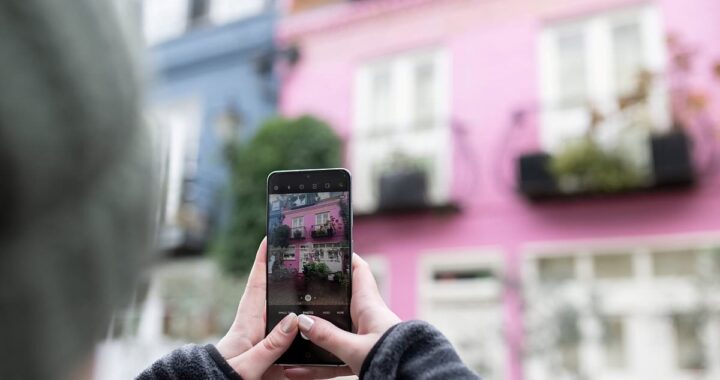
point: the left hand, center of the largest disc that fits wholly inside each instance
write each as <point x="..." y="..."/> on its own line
<point x="245" y="346"/>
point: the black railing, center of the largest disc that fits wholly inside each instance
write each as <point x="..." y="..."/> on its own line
<point x="297" y="233"/>
<point x="322" y="230"/>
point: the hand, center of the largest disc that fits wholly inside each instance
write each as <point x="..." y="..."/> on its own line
<point x="243" y="346"/>
<point x="369" y="313"/>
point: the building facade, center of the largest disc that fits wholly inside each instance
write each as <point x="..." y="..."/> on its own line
<point x="441" y="106"/>
<point x="213" y="84"/>
<point x="317" y="232"/>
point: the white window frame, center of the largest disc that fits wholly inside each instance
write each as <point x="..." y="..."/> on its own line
<point x="180" y="123"/>
<point x="488" y="292"/>
<point x="371" y="148"/>
<point x="223" y="11"/>
<point x="644" y="302"/>
<point x="322" y="217"/>
<point x="164" y="19"/>
<point x="289" y="253"/>
<point x="380" y="268"/>
<point x="561" y="125"/>
<point x="298" y="221"/>
<point x="305" y="251"/>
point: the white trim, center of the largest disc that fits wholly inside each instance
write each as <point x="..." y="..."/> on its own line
<point x="643" y="300"/>
<point x="559" y="125"/>
<point x="180" y="123"/>
<point x="380" y="268"/>
<point x="469" y="312"/>
<point x="373" y="145"/>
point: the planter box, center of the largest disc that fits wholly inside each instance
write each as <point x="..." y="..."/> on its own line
<point x="671" y="160"/>
<point x="403" y="190"/>
<point x="534" y="177"/>
<point x="297" y="233"/>
<point x="672" y="166"/>
<point x="321" y="230"/>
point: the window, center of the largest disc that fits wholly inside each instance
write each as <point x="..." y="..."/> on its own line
<point x="572" y="65"/>
<point x="662" y="303"/>
<point x="613" y="266"/>
<point x="461" y="294"/>
<point x="674" y="263"/>
<point x="556" y="269"/>
<point x="163" y="19"/>
<point x="222" y="11"/>
<point x="401" y="112"/>
<point x="382" y="106"/>
<point x="460" y="275"/>
<point x="688" y="346"/>
<point x="322" y="218"/>
<point x="627" y="60"/>
<point x="297" y="222"/>
<point x="289" y="253"/>
<point x="305" y="253"/>
<point x="613" y="330"/>
<point x="179" y="130"/>
<point x="167" y="19"/>
<point x="593" y="61"/>
<point x="198" y="13"/>
<point x="424" y="109"/>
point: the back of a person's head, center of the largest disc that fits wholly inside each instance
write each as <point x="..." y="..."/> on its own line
<point x="75" y="189"/>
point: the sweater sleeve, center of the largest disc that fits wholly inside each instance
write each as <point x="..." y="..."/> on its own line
<point x="191" y="362"/>
<point x="414" y="350"/>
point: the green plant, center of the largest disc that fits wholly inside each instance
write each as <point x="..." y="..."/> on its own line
<point x="585" y="166"/>
<point x="280" y="236"/>
<point x="280" y="143"/>
<point x="316" y="270"/>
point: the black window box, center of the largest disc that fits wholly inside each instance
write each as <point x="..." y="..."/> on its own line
<point x="671" y="167"/>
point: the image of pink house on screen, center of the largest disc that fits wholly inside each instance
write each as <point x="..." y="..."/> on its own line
<point x="317" y="233"/>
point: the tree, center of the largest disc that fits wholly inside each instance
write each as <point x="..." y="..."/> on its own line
<point x="279" y="144"/>
<point x="280" y="237"/>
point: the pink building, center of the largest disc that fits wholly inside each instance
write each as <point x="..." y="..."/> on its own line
<point x="436" y="102"/>
<point x="317" y="234"/>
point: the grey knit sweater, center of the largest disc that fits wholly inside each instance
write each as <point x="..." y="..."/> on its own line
<point x="409" y="350"/>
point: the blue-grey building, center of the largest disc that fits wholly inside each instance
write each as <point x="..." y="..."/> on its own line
<point x="213" y="82"/>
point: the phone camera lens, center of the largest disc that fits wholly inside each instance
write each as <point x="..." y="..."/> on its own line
<point x="302" y="187"/>
<point x="275" y="188"/>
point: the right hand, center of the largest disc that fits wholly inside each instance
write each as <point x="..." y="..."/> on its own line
<point x="369" y="313"/>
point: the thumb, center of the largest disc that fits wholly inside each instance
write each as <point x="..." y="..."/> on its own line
<point x="255" y="361"/>
<point x="333" y="339"/>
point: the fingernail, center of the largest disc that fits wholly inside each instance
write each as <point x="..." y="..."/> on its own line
<point x="305" y="322"/>
<point x="287" y="323"/>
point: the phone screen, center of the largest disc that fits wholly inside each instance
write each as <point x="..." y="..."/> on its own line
<point x="309" y="227"/>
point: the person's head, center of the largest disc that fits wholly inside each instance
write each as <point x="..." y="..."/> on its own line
<point x="75" y="192"/>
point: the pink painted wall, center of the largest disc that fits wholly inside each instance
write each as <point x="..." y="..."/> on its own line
<point x="493" y="49"/>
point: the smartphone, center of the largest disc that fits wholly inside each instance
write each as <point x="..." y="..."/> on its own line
<point x="309" y="254"/>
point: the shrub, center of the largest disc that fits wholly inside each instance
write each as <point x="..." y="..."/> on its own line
<point x="316" y="270"/>
<point x="280" y="236"/>
<point x="302" y="143"/>
<point x="585" y="166"/>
